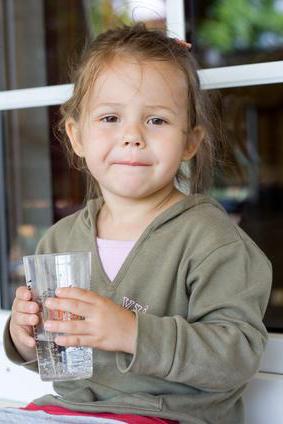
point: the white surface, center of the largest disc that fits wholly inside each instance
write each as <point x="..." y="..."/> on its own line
<point x="18" y="385"/>
<point x="272" y="361"/>
<point x="264" y="399"/>
<point x="145" y="10"/>
<point x="35" y="97"/>
<point x="229" y="76"/>
<point x="242" y="75"/>
<point x="175" y="18"/>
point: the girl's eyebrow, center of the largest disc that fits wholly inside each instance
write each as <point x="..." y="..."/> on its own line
<point x="108" y="104"/>
<point x="168" y="109"/>
<point x="111" y="104"/>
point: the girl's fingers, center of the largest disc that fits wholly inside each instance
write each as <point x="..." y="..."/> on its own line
<point x="24" y="338"/>
<point x="76" y="293"/>
<point x="25" y="319"/>
<point x="77" y="307"/>
<point x="79" y="340"/>
<point x="27" y="307"/>
<point x="23" y="293"/>
<point x="69" y="327"/>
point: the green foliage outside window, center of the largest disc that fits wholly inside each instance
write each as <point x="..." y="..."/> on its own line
<point x="104" y="14"/>
<point x="242" y="24"/>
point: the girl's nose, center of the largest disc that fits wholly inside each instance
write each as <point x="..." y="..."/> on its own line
<point x="133" y="141"/>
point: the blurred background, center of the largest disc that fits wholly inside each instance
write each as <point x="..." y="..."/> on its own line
<point x="39" y="41"/>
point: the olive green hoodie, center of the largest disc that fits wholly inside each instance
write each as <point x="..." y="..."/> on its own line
<point x="199" y="286"/>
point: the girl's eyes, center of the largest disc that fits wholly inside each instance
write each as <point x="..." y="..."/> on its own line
<point x="157" y="121"/>
<point x="110" y="119"/>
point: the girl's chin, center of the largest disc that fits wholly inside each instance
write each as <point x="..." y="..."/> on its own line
<point x="134" y="192"/>
<point x="129" y="187"/>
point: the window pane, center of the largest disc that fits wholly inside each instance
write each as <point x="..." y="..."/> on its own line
<point x="253" y="195"/>
<point x="40" y="188"/>
<point x="225" y="32"/>
<point x="42" y="37"/>
<point x="27" y="179"/>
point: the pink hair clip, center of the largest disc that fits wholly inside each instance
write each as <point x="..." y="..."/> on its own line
<point x="183" y="43"/>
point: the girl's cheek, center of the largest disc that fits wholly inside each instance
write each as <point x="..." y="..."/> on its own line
<point x="101" y="132"/>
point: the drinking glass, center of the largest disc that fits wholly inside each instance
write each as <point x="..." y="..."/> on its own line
<point x="44" y="273"/>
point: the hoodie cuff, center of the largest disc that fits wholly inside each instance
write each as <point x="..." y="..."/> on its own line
<point x="11" y="351"/>
<point x="125" y="361"/>
<point x="155" y="347"/>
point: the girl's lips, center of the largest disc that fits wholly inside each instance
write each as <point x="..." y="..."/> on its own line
<point x="128" y="163"/>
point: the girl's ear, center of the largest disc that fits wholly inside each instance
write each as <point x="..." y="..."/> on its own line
<point x="73" y="132"/>
<point x="194" y="139"/>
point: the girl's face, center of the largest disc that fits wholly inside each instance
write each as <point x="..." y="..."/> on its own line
<point x="133" y="132"/>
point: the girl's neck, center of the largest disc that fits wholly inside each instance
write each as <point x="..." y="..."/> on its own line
<point x="127" y="220"/>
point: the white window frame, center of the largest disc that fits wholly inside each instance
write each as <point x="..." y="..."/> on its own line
<point x="214" y="78"/>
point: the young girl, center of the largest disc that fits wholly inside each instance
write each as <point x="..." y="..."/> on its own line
<point x="178" y="291"/>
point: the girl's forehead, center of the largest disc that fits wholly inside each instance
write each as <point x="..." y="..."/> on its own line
<point x="128" y="76"/>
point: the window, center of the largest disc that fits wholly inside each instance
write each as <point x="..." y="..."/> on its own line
<point x="246" y="66"/>
<point x="36" y="185"/>
<point x="243" y="44"/>
<point x="228" y="33"/>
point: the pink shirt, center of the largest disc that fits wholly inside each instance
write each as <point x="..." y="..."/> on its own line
<point x="113" y="253"/>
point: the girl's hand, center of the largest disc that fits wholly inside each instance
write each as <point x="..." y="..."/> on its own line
<point x="105" y="326"/>
<point x="23" y="318"/>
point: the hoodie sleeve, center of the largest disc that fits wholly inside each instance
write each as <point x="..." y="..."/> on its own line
<point x="11" y="352"/>
<point x="218" y="346"/>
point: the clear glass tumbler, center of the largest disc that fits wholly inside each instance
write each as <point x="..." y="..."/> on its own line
<point x="44" y="273"/>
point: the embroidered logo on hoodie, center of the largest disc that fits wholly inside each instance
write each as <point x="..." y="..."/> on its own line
<point x="132" y="305"/>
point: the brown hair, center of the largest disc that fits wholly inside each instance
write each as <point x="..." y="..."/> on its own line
<point x="147" y="44"/>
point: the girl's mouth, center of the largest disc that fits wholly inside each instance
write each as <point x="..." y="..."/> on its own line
<point x="129" y="163"/>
